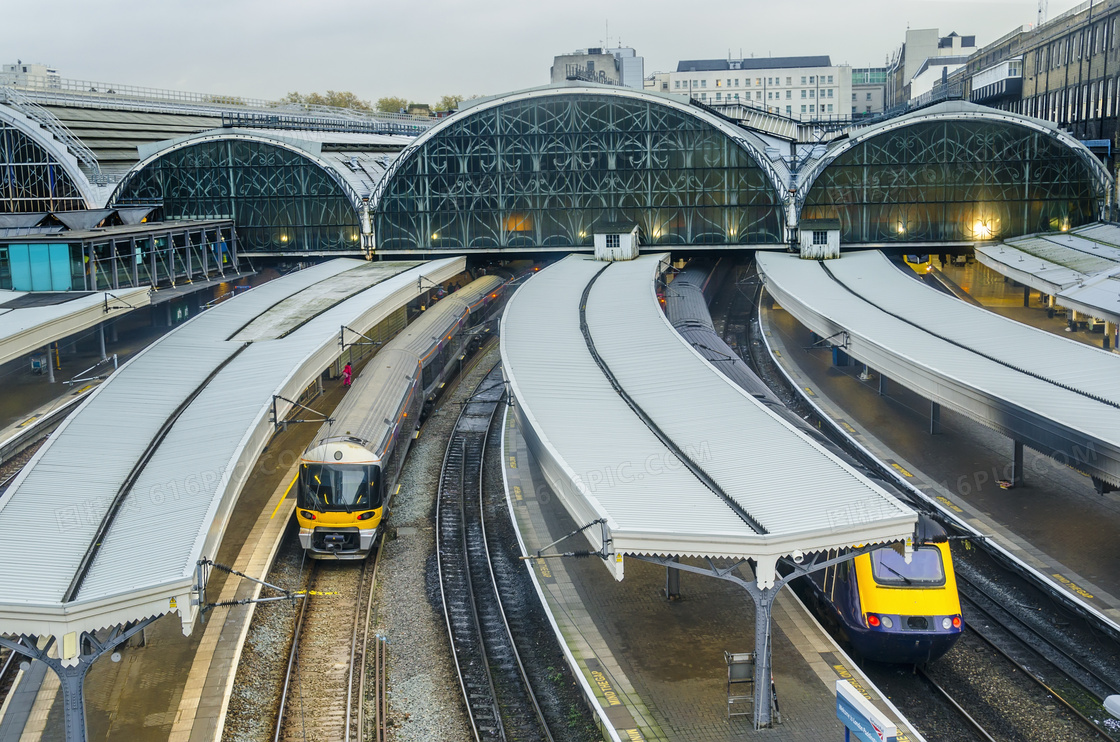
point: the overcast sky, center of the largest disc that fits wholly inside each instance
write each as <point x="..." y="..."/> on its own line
<point x="422" y="49"/>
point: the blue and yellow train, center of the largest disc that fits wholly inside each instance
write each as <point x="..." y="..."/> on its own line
<point x="349" y="473"/>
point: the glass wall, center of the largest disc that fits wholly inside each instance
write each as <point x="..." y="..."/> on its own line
<point x="954" y="181"/>
<point x="30" y="179"/>
<point x="281" y="201"/>
<point x="41" y="267"/>
<point x="546" y="171"/>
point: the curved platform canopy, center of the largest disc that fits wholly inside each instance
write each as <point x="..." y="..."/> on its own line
<point x="1080" y="269"/>
<point x="542" y="168"/>
<point x="954" y="172"/>
<point x="32" y="320"/>
<point x="1047" y="392"/>
<point x="686" y="463"/>
<point x="138" y="483"/>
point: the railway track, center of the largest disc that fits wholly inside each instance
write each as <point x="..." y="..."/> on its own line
<point x="334" y="665"/>
<point x="1055" y="669"/>
<point x="498" y="695"/>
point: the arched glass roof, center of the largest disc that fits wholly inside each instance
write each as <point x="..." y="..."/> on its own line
<point x="282" y="199"/>
<point x="31" y="178"/>
<point x="955" y="178"/>
<point x="544" y="169"/>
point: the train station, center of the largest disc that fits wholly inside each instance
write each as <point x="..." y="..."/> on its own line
<point x="584" y="412"/>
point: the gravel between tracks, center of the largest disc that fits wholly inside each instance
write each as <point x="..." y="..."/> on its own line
<point x="425" y="701"/>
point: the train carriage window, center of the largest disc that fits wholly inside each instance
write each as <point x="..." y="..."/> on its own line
<point x="924" y="569"/>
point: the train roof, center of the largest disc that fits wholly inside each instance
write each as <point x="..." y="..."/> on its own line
<point x="369" y="411"/>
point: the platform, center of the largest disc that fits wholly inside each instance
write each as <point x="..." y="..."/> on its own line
<point x="655" y="667"/>
<point x="142" y="478"/>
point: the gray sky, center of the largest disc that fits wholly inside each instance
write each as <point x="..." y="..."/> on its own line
<point x="422" y="50"/>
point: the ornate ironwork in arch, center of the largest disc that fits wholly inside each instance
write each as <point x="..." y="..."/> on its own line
<point x="543" y="171"/>
<point x="280" y="200"/>
<point x="952" y="180"/>
<point x="31" y="179"/>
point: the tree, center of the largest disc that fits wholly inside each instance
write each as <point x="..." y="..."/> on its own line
<point x="391" y="105"/>
<point x="449" y="103"/>
<point x="335" y="98"/>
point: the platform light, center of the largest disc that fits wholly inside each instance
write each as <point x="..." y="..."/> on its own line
<point x="901" y="228"/>
<point x="283" y="238"/>
<point x="982" y="230"/>
<point x="435" y="235"/>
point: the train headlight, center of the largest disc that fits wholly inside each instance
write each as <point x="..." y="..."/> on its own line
<point x="367" y="515"/>
<point x="956" y="622"/>
<point x="946" y="623"/>
<point x="872" y="620"/>
<point x="307" y="514"/>
<point x="887" y="622"/>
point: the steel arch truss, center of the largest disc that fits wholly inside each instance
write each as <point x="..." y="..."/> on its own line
<point x="544" y="171"/>
<point x="955" y="178"/>
<point x="283" y="199"/>
<point x="31" y="179"/>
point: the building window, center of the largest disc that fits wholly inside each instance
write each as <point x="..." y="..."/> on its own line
<point x="853" y="99"/>
<point x="812" y="108"/>
<point x="789" y="94"/>
<point x="615" y="240"/>
<point x="812" y="80"/>
<point x="695" y="83"/>
<point x="789" y="81"/>
<point x="830" y="92"/>
<point x="758" y="81"/>
<point x="830" y="108"/>
<point x="703" y="96"/>
<point x="802" y="109"/>
<point x="812" y="93"/>
<point x="789" y="110"/>
<point x="736" y="82"/>
<point x="718" y="95"/>
<point x="868" y="96"/>
<point x="830" y="79"/>
<point x="719" y="83"/>
<point x="747" y="82"/>
<point x="819" y="237"/>
<point x="703" y="83"/>
<point x="677" y="84"/>
<point x="804" y="94"/>
<point x="803" y="79"/>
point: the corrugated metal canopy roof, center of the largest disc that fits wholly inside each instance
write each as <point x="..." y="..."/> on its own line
<point x="602" y="458"/>
<point x="1054" y="394"/>
<point x="215" y="395"/>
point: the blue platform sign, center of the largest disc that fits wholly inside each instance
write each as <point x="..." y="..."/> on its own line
<point x="861" y="719"/>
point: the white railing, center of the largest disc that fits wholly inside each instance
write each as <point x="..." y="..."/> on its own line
<point x="48" y="121"/>
<point x="47" y="85"/>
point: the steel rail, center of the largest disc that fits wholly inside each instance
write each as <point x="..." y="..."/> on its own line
<point x="292" y="655"/>
<point x="975" y="725"/>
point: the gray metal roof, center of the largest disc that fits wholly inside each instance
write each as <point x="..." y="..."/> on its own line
<point x="1053" y="394"/>
<point x="1081" y="269"/>
<point x="26" y="329"/>
<point x="603" y="461"/>
<point x="175" y="510"/>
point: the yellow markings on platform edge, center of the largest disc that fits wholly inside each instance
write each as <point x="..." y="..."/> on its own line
<point x="809" y="392"/>
<point x="604" y="686"/>
<point x="846" y="427"/>
<point x="948" y="503"/>
<point x="516" y="492"/>
<point x="633" y="735"/>
<point x="398" y="490"/>
<point x="28" y="421"/>
<point x="285" y="497"/>
<point x="542" y="565"/>
<point x="1073" y="586"/>
<point x="512" y="462"/>
<point x="84" y="388"/>
<point x="901" y="471"/>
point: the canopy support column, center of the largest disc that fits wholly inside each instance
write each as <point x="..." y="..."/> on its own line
<point x="763" y="590"/>
<point x="1017" y="465"/>
<point x="934" y="418"/>
<point x="72" y="671"/>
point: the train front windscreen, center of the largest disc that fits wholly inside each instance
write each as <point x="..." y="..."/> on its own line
<point x="340" y="487"/>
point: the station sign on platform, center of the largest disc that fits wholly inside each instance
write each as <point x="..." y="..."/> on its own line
<point x="861" y="719"/>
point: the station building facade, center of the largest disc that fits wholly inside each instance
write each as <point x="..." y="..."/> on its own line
<point x="541" y="169"/>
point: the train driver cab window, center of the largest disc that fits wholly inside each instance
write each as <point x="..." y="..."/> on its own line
<point x="924" y="569"/>
<point x="340" y="487"/>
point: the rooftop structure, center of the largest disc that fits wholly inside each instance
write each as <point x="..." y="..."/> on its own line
<point x="802" y="88"/>
<point x="1079" y="269"/>
<point x="603" y="65"/>
<point x="1052" y="394"/>
<point x="708" y="471"/>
